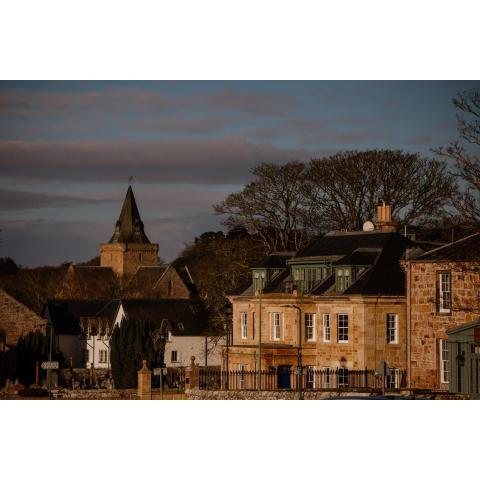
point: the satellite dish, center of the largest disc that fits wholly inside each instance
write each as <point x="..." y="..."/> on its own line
<point x="368" y="226"/>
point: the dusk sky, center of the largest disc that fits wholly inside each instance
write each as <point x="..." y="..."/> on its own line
<point x="67" y="150"/>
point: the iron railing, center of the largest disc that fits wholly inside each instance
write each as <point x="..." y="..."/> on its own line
<point x="310" y="379"/>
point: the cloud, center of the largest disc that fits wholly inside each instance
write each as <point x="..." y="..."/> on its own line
<point x="312" y="132"/>
<point x="182" y="124"/>
<point x="39" y="242"/>
<point x="421" y="140"/>
<point x="11" y="200"/>
<point x="253" y="102"/>
<point x="23" y="103"/>
<point x="224" y="160"/>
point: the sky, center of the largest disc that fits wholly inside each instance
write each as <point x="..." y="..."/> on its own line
<point x="67" y="150"/>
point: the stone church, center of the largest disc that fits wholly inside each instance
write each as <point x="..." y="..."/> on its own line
<point x="128" y="281"/>
<point x="91" y="300"/>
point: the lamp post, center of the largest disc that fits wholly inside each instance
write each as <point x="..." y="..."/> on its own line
<point x="299" y="352"/>
<point x="227" y="326"/>
<point x="260" y="277"/>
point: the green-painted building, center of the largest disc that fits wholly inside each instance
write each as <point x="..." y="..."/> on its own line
<point x="464" y="358"/>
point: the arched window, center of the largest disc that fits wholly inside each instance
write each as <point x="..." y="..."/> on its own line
<point x="170" y="288"/>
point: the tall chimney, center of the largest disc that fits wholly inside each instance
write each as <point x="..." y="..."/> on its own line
<point x="384" y="221"/>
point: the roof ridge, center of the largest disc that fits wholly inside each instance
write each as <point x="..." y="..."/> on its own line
<point x="447" y="245"/>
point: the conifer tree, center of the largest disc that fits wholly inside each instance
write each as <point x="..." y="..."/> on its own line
<point x="131" y="343"/>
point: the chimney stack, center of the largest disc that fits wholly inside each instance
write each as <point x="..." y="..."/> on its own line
<point x="384" y="221"/>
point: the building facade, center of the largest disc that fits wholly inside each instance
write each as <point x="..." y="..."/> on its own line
<point x="443" y="292"/>
<point x="340" y="303"/>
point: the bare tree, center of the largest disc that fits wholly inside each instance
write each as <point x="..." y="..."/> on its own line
<point x="467" y="159"/>
<point x="275" y="206"/>
<point x="347" y="187"/>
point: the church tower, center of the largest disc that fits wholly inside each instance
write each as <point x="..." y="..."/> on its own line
<point x="129" y="247"/>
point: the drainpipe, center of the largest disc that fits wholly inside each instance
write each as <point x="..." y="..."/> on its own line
<point x="409" y="326"/>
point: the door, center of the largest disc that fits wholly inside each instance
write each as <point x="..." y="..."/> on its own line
<point x="283" y="376"/>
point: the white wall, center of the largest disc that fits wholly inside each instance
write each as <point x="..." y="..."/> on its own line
<point x="186" y="347"/>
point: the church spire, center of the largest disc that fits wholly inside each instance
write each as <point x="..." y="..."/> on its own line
<point x="129" y="226"/>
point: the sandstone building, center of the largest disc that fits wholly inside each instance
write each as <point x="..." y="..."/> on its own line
<point x="443" y="294"/>
<point x="345" y="293"/>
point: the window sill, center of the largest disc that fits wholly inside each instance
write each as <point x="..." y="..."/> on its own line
<point x="343" y="341"/>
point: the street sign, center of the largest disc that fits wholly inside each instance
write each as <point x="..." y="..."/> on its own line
<point x="159" y="371"/>
<point x="49" y="365"/>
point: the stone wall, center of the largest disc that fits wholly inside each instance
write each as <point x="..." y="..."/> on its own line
<point x="427" y="325"/>
<point x="124" y="259"/>
<point x="197" y="394"/>
<point x="16" y="319"/>
<point x="367" y="343"/>
<point x="65" y="394"/>
<point x="171" y="286"/>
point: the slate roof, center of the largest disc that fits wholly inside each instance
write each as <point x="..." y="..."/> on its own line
<point x="145" y="279"/>
<point x="343" y="243"/>
<point x="463" y="250"/>
<point x="129" y="227"/>
<point x="88" y="282"/>
<point x="188" y="313"/>
<point x="381" y="252"/>
<point x="359" y="257"/>
<point x="275" y="260"/>
<point x="66" y="314"/>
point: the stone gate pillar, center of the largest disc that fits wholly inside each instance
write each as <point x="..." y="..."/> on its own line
<point x="192" y="375"/>
<point x="145" y="382"/>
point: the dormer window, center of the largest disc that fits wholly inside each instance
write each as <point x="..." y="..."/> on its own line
<point x="259" y="280"/>
<point x="343" y="278"/>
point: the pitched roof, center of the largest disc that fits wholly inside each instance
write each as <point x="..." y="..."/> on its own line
<point x="66" y="314"/>
<point x="342" y="243"/>
<point x="464" y="250"/>
<point x="465" y="326"/>
<point x="275" y="260"/>
<point x="129" y="227"/>
<point x="176" y="312"/>
<point x="380" y="252"/>
<point x="145" y="278"/>
<point x="88" y="282"/>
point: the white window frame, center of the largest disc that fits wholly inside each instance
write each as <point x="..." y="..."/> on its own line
<point x="444" y="289"/>
<point x="392" y="328"/>
<point x="243" y="325"/>
<point x="443" y="357"/>
<point x="172" y="352"/>
<point x="393" y="380"/>
<point x="274" y="316"/>
<point x="339" y="328"/>
<point x="310" y="329"/>
<point x="310" y="376"/>
<point x="103" y="356"/>
<point x="327" y="330"/>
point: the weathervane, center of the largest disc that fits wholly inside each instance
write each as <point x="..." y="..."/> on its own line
<point x="130" y="179"/>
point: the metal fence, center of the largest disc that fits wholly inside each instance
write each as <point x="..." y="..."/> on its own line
<point x="173" y="379"/>
<point x="310" y="379"/>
